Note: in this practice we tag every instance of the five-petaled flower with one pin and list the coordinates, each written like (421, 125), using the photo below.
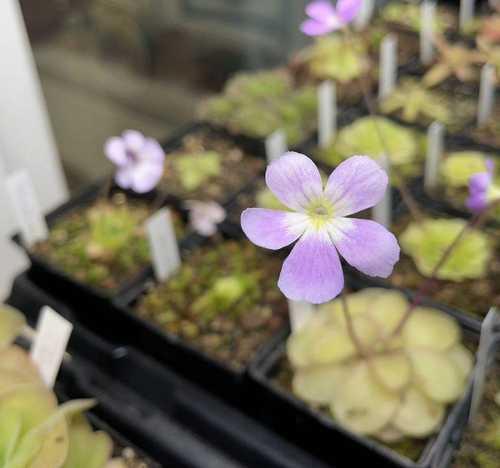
(482, 190)
(325, 18)
(205, 216)
(312, 272)
(139, 161)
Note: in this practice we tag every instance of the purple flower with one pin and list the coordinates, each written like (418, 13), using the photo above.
(325, 18)
(482, 191)
(312, 272)
(204, 216)
(139, 160)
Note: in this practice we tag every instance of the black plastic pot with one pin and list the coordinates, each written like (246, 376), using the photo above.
(321, 435)
(172, 420)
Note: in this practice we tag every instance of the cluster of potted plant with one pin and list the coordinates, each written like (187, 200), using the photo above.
(384, 311)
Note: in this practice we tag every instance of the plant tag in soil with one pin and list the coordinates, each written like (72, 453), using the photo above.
(327, 113)
(427, 20)
(486, 94)
(466, 12)
(163, 244)
(52, 336)
(276, 145)
(382, 212)
(26, 208)
(300, 312)
(388, 65)
(364, 15)
(435, 145)
(489, 333)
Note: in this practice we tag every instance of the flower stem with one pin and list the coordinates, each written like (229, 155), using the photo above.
(350, 326)
(406, 195)
(107, 188)
(474, 222)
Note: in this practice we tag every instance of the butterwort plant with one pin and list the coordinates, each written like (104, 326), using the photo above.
(325, 18)
(139, 161)
(318, 221)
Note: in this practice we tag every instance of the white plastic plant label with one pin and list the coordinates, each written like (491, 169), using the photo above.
(300, 312)
(435, 146)
(427, 19)
(364, 15)
(163, 244)
(466, 13)
(51, 339)
(486, 94)
(327, 113)
(382, 212)
(26, 208)
(488, 336)
(276, 145)
(388, 65)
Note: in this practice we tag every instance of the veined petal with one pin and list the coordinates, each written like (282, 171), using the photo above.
(272, 229)
(312, 27)
(295, 180)
(365, 244)
(115, 151)
(134, 140)
(312, 272)
(355, 185)
(347, 10)
(320, 10)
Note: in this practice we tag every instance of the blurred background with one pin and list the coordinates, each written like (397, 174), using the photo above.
(108, 65)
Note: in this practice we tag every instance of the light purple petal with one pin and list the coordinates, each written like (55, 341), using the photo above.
(477, 202)
(312, 27)
(347, 10)
(366, 245)
(115, 151)
(272, 229)
(152, 151)
(312, 272)
(320, 10)
(145, 176)
(479, 182)
(124, 177)
(295, 180)
(355, 185)
(134, 140)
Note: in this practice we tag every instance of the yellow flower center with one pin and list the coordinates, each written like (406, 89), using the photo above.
(320, 211)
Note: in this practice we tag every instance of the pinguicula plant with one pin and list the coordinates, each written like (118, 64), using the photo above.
(103, 244)
(204, 217)
(35, 431)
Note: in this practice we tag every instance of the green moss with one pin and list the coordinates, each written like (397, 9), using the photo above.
(426, 242)
(194, 169)
(408, 15)
(363, 137)
(256, 104)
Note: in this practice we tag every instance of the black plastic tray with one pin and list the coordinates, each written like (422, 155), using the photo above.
(170, 419)
(319, 434)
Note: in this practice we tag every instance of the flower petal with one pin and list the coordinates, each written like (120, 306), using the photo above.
(134, 140)
(115, 151)
(476, 202)
(320, 10)
(272, 229)
(479, 182)
(312, 272)
(295, 180)
(312, 27)
(152, 151)
(347, 10)
(145, 176)
(124, 177)
(365, 244)
(356, 184)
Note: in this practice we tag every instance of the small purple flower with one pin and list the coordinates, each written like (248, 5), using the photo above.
(204, 216)
(139, 160)
(482, 191)
(325, 18)
(312, 272)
